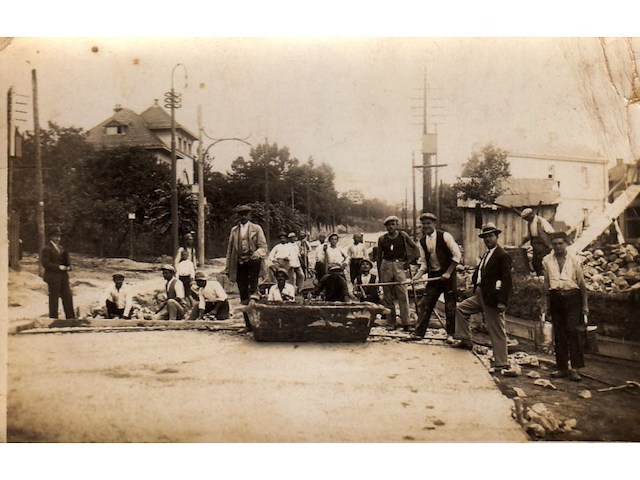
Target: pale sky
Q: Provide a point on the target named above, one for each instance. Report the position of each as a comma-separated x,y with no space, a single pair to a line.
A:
352,103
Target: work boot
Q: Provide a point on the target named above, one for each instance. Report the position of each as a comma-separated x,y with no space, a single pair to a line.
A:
560,374
463,344
574,376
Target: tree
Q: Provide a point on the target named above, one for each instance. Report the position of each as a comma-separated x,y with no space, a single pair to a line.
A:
483,174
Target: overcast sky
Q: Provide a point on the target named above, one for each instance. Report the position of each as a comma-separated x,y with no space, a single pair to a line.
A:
352,103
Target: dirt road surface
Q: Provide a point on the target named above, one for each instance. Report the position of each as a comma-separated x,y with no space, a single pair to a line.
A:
192,386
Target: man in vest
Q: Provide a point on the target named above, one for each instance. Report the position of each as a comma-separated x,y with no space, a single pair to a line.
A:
439,257
245,252
174,307
538,235
393,258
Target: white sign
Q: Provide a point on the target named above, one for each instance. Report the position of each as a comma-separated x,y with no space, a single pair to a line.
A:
132,216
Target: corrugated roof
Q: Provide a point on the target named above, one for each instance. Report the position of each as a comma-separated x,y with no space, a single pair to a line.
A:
157,118
528,192
137,134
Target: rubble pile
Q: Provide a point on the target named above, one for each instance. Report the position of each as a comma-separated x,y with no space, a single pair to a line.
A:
612,269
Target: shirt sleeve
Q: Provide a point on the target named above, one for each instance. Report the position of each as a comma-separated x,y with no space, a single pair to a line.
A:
179,287
546,226
453,247
220,293
423,262
202,303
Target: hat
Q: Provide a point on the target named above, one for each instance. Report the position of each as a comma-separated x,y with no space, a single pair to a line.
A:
200,276
366,260
359,235
117,275
555,235
55,231
489,228
428,215
526,212
333,235
242,209
391,218
292,235
168,267
282,271
334,267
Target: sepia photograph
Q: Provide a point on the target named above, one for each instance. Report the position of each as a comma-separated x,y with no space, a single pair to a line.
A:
322,240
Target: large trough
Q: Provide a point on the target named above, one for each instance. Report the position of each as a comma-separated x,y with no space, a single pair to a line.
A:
313,321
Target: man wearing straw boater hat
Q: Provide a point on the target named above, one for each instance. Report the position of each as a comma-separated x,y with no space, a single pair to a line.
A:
439,257
492,288
245,252
566,297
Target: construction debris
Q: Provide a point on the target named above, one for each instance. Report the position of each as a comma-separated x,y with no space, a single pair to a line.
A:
542,382
629,384
585,394
519,392
533,374
613,269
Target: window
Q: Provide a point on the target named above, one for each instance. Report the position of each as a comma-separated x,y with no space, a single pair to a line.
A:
116,130
584,174
551,171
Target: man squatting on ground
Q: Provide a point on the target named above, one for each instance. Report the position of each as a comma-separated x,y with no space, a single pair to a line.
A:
361,289
212,299
393,261
176,304
439,257
539,230
55,260
566,300
245,253
118,298
492,288
282,291
333,286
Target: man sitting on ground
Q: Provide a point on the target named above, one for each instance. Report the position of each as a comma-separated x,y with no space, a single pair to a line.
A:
333,285
118,298
360,288
212,299
282,291
174,307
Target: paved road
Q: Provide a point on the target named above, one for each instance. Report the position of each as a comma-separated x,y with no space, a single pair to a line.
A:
215,387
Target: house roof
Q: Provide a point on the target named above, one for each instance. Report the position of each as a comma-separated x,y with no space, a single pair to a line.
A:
157,118
524,192
137,133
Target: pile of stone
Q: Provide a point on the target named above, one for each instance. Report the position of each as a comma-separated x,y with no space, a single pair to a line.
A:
612,269
538,420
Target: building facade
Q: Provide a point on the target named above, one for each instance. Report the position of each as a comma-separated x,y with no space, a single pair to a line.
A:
150,130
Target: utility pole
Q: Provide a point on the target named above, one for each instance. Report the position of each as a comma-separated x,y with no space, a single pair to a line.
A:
266,190
308,209
39,181
201,222
413,181
426,157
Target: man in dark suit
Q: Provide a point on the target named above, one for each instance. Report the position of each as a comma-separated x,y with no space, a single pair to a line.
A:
55,260
492,288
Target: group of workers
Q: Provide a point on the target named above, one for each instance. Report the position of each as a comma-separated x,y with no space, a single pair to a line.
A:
190,294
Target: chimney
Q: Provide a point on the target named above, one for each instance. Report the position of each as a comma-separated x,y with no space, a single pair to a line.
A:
619,161
117,108
155,102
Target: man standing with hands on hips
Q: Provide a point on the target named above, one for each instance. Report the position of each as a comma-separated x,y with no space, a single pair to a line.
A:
439,257
245,252
492,288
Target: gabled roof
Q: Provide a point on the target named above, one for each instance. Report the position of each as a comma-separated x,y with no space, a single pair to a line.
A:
157,118
137,133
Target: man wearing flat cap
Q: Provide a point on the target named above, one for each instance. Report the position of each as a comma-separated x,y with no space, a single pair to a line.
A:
439,257
395,251
118,298
491,288
175,305
212,299
246,250
539,230
55,260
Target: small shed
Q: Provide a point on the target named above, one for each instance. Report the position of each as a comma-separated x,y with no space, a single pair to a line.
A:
541,195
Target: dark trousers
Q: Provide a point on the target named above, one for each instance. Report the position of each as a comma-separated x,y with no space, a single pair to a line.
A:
247,279
566,315
59,288
219,309
429,299
540,250
320,270
113,310
354,268
186,281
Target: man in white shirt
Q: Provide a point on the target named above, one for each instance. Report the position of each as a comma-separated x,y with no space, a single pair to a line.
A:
282,291
566,295
188,247
186,272
539,230
212,299
279,255
305,251
174,307
118,299
439,257
320,267
295,267
332,254
356,252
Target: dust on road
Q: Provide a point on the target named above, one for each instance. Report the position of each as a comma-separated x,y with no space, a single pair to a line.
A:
215,387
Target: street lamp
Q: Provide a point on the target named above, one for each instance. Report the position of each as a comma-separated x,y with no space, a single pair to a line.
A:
173,100
202,158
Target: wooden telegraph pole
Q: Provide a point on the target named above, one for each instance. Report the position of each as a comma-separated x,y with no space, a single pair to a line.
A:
201,200
39,181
